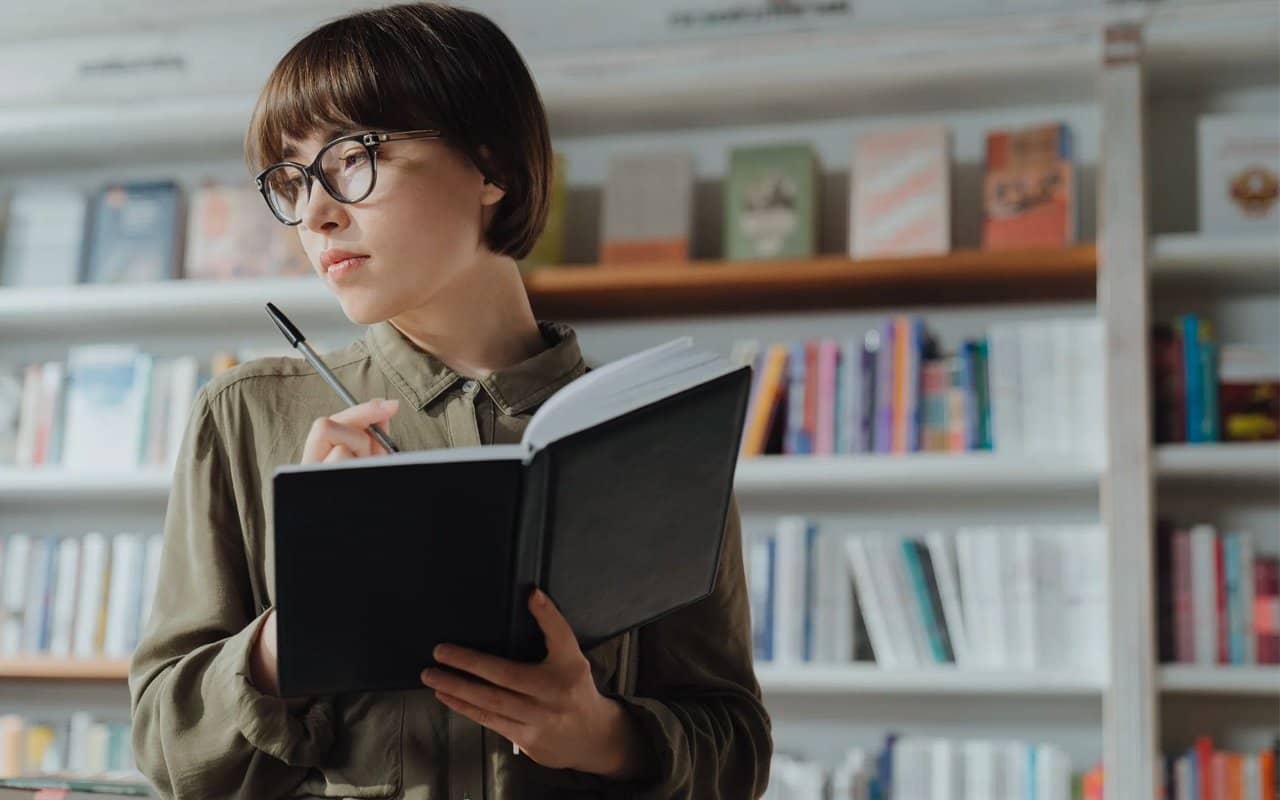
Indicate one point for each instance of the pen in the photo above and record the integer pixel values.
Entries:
(296, 339)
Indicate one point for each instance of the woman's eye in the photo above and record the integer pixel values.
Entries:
(354, 159)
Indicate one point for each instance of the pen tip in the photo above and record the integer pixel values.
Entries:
(286, 327)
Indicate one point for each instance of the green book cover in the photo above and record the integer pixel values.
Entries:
(771, 202)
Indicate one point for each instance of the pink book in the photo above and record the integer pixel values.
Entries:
(900, 193)
(1184, 631)
(828, 360)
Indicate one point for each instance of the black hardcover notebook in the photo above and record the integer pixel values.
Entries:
(614, 503)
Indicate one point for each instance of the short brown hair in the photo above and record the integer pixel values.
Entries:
(419, 65)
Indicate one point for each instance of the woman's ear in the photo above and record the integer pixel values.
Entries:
(491, 193)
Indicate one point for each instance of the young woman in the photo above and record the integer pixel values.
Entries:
(409, 147)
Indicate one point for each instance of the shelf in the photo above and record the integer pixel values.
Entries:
(870, 679)
(915, 473)
(1226, 262)
(584, 292)
(1239, 680)
(53, 484)
(60, 669)
(1237, 461)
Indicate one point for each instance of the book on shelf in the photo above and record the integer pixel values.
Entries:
(42, 236)
(927, 768)
(893, 389)
(1207, 392)
(1218, 596)
(76, 597)
(630, 440)
(106, 403)
(1029, 188)
(1026, 597)
(1239, 160)
(900, 193)
(134, 233)
(648, 209)
(1203, 772)
(81, 753)
(771, 201)
(549, 250)
(230, 234)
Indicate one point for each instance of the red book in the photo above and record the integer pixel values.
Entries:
(1267, 774)
(1184, 623)
(1266, 608)
(1169, 395)
(1204, 762)
(1220, 581)
(811, 391)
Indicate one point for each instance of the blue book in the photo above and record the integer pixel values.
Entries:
(1212, 422)
(1238, 618)
(920, 588)
(810, 589)
(1193, 375)
(797, 439)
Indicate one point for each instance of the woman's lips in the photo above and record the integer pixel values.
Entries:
(345, 268)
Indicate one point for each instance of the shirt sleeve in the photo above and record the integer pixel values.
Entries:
(200, 727)
(697, 698)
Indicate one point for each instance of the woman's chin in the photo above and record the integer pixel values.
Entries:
(362, 310)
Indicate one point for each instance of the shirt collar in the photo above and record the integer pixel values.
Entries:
(421, 377)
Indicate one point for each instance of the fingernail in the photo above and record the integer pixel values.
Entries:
(392, 403)
(425, 676)
(439, 652)
(539, 597)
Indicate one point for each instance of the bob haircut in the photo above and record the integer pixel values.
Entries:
(413, 66)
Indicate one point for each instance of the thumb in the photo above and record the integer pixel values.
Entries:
(367, 413)
(561, 641)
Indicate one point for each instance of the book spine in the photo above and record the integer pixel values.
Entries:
(869, 392)
(1183, 605)
(1166, 650)
(1266, 609)
(524, 638)
(1220, 598)
(828, 360)
(811, 395)
(795, 441)
(1192, 375)
(923, 606)
(1211, 423)
(935, 601)
(885, 389)
(982, 377)
(1203, 592)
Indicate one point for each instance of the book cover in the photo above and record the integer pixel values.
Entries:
(771, 202)
(1239, 160)
(798, 438)
(1029, 192)
(106, 406)
(10, 415)
(232, 235)
(900, 193)
(771, 401)
(811, 393)
(1248, 394)
(1204, 594)
(133, 235)
(1183, 605)
(828, 363)
(43, 237)
(1169, 395)
(1266, 609)
(870, 604)
(760, 593)
(885, 383)
(548, 251)
(94, 556)
(648, 209)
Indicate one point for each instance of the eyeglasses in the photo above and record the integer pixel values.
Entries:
(347, 168)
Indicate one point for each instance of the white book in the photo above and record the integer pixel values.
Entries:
(1004, 366)
(873, 613)
(832, 614)
(185, 381)
(1182, 774)
(67, 581)
(941, 553)
(39, 592)
(28, 416)
(1053, 774)
(43, 237)
(904, 625)
(95, 557)
(976, 631)
(1037, 386)
(78, 741)
(979, 769)
(1245, 544)
(1090, 402)
(52, 400)
(1252, 778)
(1061, 432)
(126, 574)
(1018, 576)
(1204, 599)
(1239, 157)
(850, 775)
(789, 582)
(989, 561)
(106, 406)
(13, 599)
(946, 776)
(1051, 647)
(156, 447)
(759, 555)
(1085, 591)
(137, 593)
(151, 579)
(10, 413)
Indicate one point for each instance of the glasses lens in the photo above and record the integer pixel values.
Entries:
(286, 191)
(348, 169)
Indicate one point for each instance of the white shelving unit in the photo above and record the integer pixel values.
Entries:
(822, 86)
(1241, 680)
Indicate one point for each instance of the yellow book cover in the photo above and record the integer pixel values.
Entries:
(769, 395)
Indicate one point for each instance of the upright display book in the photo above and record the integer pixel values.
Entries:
(134, 233)
(614, 503)
(771, 202)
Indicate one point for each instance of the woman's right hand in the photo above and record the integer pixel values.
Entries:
(336, 437)
(341, 436)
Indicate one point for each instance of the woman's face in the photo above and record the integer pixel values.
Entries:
(420, 228)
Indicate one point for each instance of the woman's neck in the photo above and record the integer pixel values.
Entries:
(479, 323)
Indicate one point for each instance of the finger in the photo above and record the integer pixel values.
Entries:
(507, 728)
(325, 434)
(367, 413)
(339, 453)
(527, 679)
(503, 702)
(561, 642)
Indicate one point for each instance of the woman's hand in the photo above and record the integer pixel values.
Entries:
(341, 436)
(336, 437)
(551, 710)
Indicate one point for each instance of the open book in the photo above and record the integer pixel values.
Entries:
(614, 503)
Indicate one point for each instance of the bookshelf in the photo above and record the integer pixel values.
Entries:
(1018, 68)
(588, 291)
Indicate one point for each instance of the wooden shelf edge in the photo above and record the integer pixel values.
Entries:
(63, 669)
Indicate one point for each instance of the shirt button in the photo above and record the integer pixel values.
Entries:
(469, 387)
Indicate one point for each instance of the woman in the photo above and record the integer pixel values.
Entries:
(410, 148)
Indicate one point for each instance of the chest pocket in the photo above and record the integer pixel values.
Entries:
(367, 756)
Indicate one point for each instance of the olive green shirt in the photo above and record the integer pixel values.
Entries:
(202, 730)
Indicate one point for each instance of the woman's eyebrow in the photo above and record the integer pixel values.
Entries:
(289, 150)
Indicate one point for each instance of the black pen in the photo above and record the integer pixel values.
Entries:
(299, 343)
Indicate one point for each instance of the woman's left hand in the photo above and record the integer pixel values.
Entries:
(551, 710)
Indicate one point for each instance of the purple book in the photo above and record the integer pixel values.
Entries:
(884, 390)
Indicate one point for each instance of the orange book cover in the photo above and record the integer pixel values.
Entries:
(901, 337)
(770, 395)
(1267, 774)
(1029, 190)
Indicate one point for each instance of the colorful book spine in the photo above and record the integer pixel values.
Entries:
(797, 440)
(770, 399)
(828, 360)
(885, 382)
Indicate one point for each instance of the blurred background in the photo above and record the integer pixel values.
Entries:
(1007, 271)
